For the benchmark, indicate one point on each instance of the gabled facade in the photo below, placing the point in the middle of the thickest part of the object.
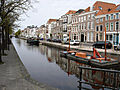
(89, 25)
(49, 26)
(109, 19)
(66, 22)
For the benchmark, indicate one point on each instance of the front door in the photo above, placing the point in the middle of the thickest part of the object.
(82, 37)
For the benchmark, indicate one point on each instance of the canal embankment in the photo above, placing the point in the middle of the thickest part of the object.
(79, 47)
(14, 76)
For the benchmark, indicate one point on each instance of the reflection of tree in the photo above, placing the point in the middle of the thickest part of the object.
(19, 42)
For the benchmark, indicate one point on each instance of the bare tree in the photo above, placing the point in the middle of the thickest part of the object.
(10, 11)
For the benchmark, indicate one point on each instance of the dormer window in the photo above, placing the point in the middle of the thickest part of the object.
(109, 9)
(100, 7)
(118, 8)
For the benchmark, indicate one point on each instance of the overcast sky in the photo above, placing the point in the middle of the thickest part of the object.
(46, 9)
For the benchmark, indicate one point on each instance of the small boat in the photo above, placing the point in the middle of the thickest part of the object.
(33, 41)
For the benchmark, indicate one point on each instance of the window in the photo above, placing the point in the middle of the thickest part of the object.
(107, 17)
(106, 37)
(100, 7)
(112, 16)
(101, 19)
(88, 17)
(89, 25)
(110, 37)
(81, 26)
(101, 27)
(111, 24)
(84, 25)
(92, 25)
(78, 27)
(88, 36)
(97, 37)
(84, 18)
(91, 36)
(117, 26)
(107, 26)
(117, 15)
(81, 19)
(92, 16)
(100, 36)
(97, 20)
(97, 28)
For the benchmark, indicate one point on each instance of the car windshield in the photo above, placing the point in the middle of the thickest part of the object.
(76, 41)
(72, 40)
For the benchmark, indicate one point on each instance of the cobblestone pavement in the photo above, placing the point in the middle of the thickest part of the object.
(14, 76)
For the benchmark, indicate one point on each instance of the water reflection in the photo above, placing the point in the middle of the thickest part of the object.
(45, 65)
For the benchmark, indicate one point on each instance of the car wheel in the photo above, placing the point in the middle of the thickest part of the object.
(103, 47)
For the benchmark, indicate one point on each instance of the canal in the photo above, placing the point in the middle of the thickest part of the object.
(45, 65)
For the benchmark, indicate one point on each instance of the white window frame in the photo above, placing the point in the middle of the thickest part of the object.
(111, 27)
(118, 25)
(116, 16)
(88, 35)
(91, 36)
(111, 16)
(88, 17)
(84, 18)
(92, 25)
(106, 17)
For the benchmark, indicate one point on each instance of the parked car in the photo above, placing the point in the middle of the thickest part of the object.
(54, 40)
(58, 40)
(67, 42)
(117, 47)
(74, 42)
(101, 44)
(49, 39)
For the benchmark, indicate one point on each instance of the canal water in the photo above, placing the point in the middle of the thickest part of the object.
(45, 65)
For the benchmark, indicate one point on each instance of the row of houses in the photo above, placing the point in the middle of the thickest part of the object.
(85, 25)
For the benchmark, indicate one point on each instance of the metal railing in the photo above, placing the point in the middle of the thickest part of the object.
(115, 73)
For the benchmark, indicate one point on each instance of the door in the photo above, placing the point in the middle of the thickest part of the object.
(82, 37)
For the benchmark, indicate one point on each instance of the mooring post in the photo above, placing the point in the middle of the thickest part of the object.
(80, 84)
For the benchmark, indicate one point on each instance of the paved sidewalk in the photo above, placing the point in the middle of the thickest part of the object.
(14, 76)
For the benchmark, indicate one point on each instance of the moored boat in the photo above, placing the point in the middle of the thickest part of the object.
(95, 60)
(33, 41)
